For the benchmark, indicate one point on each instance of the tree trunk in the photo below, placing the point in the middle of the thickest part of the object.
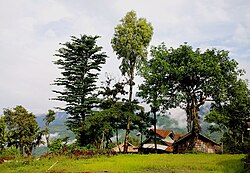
(189, 117)
(117, 141)
(130, 110)
(195, 123)
(154, 112)
(127, 136)
(47, 138)
(82, 131)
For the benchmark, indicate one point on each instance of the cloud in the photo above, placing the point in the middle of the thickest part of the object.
(30, 33)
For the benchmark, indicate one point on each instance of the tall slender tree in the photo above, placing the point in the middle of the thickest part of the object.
(130, 43)
(151, 89)
(80, 62)
(49, 118)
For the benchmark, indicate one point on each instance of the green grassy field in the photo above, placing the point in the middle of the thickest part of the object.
(162, 163)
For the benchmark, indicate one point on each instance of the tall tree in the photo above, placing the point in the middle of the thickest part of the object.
(151, 89)
(22, 127)
(49, 118)
(130, 43)
(230, 115)
(80, 62)
(190, 78)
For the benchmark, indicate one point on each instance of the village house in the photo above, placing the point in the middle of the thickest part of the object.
(169, 142)
(203, 144)
(164, 141)
(120, 148)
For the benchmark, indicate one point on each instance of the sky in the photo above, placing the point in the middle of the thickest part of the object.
(30, 33)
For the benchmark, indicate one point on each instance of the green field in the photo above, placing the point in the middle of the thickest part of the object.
(167, 163)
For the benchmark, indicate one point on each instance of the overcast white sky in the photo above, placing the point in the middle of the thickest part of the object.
(30, 33)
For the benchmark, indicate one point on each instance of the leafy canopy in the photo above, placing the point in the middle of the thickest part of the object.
(131, 40)
(22, 128)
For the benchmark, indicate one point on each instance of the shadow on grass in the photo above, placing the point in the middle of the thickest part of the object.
(232, 166)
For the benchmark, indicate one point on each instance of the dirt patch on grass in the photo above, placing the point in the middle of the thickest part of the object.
(5, 159)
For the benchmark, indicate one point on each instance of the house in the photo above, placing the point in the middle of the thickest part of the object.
(164, 141)
(131, 148)
(203, 144)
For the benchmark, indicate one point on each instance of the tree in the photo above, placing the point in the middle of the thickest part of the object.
(22, 128)
(188, 78)
(130, 43)
(112, 106)
(151, 89)
(49, 118)
(80, 61)
(229, 116)
(3, 132)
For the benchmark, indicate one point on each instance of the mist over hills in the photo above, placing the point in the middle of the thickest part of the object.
(58, 129)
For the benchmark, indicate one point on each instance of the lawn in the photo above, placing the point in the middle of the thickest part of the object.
(162, 163)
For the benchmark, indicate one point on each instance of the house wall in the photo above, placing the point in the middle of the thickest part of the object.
(200, 146)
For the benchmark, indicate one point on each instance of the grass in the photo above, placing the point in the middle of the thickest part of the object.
(162, 163)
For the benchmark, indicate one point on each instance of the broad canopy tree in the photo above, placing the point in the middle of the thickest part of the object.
(188, 78)
(80, 62)
(130, 43)
(22, 128)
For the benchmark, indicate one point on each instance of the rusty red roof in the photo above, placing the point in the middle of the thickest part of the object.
(169, 149)
(189, 133)
(178, 136)
(162, 133)
(248, 123)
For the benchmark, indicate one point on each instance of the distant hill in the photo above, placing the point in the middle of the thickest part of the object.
(57, 128)
(60, 119)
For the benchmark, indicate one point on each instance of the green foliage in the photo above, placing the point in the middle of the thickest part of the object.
(22, 128)
(80, 62)
(49, 117)
(3, 133)
(57, 145)
(110, 118)
(187, 78)
(10, 152)
(130, 43)
(230, 116)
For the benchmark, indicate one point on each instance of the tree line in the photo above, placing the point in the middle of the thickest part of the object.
(172, 77)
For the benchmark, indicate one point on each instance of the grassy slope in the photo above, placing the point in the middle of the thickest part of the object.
(191, 163)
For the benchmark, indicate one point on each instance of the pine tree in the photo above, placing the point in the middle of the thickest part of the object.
(80, 62)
